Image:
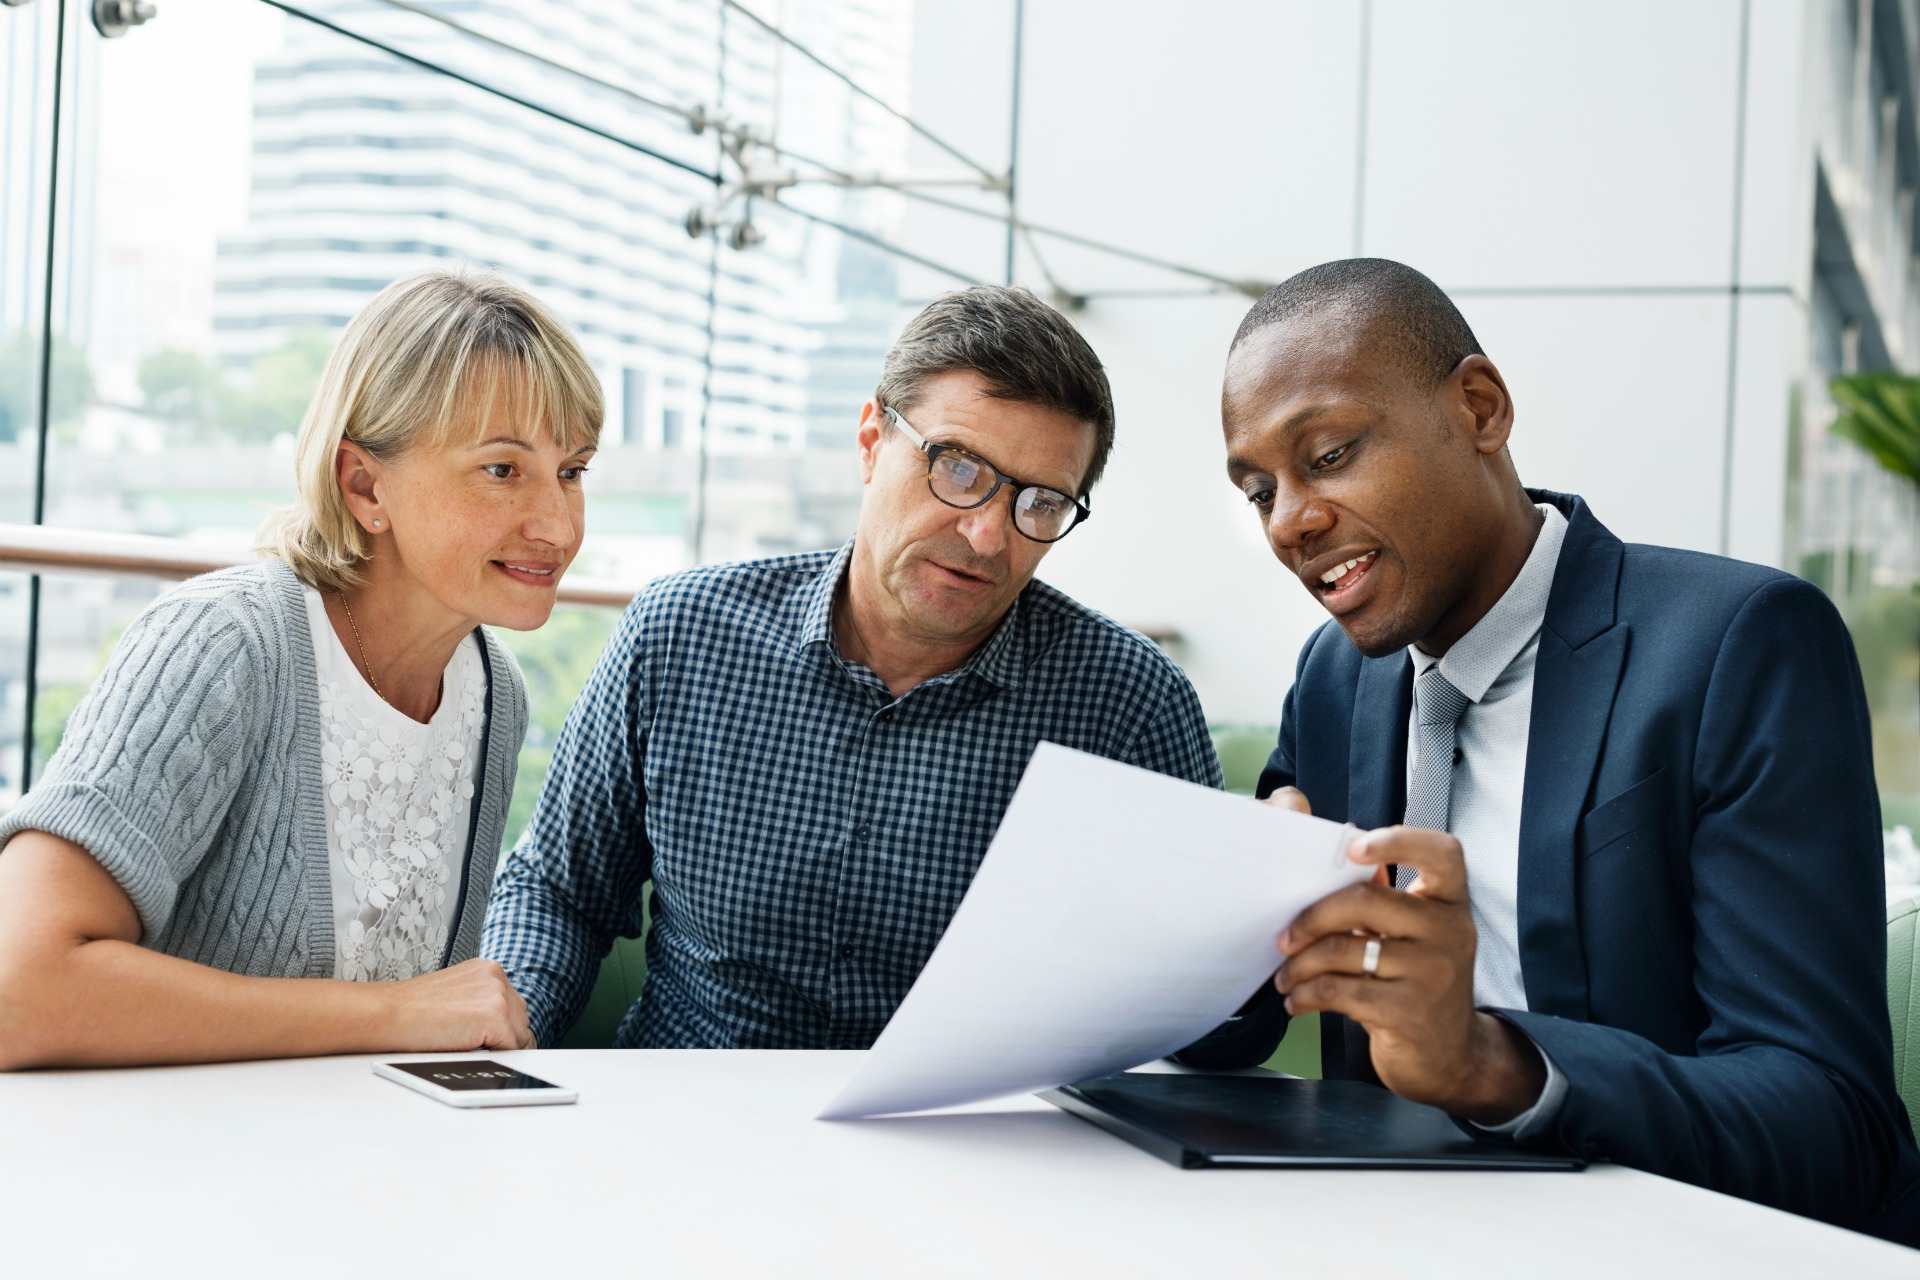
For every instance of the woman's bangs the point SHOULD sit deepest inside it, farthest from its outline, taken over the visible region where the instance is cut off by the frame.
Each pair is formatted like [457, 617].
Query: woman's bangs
[498, 393]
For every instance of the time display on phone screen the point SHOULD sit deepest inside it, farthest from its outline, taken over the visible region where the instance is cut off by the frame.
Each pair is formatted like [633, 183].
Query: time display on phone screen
[471, 1077]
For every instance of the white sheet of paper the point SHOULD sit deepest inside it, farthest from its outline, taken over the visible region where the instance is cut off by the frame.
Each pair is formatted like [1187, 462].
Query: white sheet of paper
[1119, 915]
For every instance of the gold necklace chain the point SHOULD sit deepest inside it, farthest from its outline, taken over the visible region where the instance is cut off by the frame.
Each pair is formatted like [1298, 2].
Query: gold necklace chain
[361, 647]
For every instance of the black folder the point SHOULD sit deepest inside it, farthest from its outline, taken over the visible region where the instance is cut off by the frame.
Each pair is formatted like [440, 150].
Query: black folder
[1267, 1122]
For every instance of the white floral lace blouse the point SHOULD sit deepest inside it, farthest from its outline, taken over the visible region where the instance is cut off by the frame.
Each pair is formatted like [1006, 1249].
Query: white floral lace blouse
[399, 798]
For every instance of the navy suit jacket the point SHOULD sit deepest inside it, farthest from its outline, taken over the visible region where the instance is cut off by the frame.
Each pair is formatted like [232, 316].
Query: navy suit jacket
[1701, 894]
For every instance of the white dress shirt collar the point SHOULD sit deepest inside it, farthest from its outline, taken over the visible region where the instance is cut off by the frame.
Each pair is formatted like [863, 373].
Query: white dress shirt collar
[1479, 657]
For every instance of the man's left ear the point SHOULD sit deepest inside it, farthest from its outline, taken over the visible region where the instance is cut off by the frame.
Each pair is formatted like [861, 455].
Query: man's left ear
[873, 422]
[1483, 395]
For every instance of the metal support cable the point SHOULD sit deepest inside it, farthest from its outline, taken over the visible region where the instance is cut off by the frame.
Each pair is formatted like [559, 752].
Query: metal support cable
[699, 118]
[1360, 127]
[1013, 148]
[1252, 288]
[1062, 296]
[858, 88]
[1733, 285]
[715, 178]
[741, 138]
[1136, 295]
[685, 114]
[44, 423]
[696, 117]
[867, 237]
[713, 311]
[779, 71]
[426, 64]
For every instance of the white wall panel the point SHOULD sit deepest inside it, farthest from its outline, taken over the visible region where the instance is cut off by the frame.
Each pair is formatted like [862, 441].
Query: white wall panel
[1171, 541]
[1518, 143]
[1510, 145]
[1773, 339]
[1776, 211]
[1621, 400]
[962, 78]
[1216, 134]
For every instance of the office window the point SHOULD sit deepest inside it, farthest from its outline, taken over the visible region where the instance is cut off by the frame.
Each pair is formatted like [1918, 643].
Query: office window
[633, 406]
[237, 182]
[39, 366]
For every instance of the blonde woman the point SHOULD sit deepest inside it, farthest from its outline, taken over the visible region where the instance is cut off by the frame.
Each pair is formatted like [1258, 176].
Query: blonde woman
[271, 827]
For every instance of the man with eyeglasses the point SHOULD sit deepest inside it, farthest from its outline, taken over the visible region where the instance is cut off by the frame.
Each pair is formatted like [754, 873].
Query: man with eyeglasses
[807, 756]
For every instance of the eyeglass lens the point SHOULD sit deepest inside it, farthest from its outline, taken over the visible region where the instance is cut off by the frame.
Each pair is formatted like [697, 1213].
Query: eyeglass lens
[959, 479]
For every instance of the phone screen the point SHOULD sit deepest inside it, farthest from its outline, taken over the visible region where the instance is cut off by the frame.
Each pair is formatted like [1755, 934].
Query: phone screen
[466, 1075]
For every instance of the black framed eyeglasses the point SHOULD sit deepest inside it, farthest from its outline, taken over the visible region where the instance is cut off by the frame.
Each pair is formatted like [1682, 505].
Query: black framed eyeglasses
[967, 480]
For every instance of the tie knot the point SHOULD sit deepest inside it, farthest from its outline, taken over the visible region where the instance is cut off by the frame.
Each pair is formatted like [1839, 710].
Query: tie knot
[1440, 702]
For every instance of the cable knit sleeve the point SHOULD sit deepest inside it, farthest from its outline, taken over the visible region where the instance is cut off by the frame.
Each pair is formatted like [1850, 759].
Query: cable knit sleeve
[153, 755]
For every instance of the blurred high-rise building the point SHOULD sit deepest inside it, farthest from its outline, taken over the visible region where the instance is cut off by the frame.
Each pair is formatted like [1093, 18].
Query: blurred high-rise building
[365, 167]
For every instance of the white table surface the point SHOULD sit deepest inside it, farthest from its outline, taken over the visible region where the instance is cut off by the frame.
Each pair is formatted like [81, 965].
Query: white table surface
[709, 1163]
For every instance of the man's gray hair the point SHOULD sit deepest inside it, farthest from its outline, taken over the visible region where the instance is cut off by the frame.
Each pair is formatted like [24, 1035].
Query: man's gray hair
[1026, 351]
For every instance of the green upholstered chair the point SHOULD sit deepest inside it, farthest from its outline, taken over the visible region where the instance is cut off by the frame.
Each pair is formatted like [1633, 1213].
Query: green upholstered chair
[622, 974]
[624, 971]
[1243, 752]
[1903, 999]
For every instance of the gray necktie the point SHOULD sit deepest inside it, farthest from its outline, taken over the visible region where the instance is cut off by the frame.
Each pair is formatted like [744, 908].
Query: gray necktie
[1430, 795]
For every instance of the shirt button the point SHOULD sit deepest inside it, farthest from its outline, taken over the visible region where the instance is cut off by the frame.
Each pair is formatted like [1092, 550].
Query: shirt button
[862, 831]
[846, 952]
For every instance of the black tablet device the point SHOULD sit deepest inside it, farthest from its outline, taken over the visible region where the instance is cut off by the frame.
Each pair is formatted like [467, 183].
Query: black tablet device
[1270, 1122]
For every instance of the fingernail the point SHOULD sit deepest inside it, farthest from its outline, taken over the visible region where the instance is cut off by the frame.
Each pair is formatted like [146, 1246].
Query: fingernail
[1286, 939]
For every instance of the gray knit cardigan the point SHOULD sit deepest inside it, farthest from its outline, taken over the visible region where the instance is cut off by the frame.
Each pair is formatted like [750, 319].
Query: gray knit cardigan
[192, 772]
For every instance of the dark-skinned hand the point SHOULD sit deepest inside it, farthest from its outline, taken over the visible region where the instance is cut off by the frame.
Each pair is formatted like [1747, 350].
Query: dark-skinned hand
[1429, 1043]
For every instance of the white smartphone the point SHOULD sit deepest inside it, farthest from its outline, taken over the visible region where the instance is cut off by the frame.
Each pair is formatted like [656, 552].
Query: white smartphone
[474, 1082]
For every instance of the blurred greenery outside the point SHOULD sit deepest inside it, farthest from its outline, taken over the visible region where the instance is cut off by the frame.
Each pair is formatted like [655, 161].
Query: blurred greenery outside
[199, 401]
[1885, 623]
[193, 396]
[1879, 411]
[70, 384]
[555, 660]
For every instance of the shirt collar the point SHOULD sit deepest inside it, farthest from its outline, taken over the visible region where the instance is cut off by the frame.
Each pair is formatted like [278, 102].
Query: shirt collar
[816, 619]
[998, 660]
[1476, 659]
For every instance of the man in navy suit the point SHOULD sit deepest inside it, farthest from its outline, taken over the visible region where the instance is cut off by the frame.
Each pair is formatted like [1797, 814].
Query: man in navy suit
[1630, 902]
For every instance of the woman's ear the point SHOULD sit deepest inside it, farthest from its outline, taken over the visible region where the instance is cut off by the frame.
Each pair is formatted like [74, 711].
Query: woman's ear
[359, 475]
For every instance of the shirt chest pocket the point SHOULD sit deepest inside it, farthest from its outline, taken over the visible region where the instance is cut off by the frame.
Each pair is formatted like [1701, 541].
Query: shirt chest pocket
[1627, 820]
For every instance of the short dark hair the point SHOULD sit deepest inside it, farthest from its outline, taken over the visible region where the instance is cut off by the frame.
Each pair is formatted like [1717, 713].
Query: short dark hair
[1026, 351]
[1378, 299]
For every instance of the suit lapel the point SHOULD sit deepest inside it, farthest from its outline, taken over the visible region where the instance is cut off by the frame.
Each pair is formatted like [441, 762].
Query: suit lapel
[1376, 797]
[1583, 650]
[1377, 751]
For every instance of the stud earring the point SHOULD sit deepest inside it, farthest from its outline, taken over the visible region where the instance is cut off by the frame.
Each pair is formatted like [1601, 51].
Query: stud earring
[376, 524]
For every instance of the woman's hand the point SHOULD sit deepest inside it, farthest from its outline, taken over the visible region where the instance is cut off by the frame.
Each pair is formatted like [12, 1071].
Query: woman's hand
[76, 989]
[469, 1006]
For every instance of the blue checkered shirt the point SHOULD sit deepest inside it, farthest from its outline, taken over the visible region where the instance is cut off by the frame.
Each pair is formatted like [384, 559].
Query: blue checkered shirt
[808, 834]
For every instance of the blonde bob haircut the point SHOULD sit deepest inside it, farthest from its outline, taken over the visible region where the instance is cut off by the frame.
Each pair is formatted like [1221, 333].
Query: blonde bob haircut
[432, 360]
